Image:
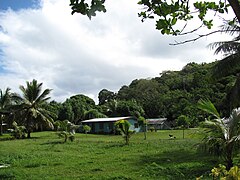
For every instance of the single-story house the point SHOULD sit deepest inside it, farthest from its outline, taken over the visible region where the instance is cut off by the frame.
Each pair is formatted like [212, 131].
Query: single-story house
[106, 125]
[158, 123]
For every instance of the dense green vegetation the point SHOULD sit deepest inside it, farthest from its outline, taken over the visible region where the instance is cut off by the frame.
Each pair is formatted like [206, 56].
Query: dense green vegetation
[176, 93]
[172, 95]
[45, 156]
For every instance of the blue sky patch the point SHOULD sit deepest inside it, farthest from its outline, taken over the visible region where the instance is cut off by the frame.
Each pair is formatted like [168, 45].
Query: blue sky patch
[18, 4]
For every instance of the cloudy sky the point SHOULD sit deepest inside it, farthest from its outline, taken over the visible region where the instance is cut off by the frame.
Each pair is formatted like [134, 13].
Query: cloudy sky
[72, 55]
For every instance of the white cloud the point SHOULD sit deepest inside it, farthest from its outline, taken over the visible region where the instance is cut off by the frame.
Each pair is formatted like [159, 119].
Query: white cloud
[72, 55]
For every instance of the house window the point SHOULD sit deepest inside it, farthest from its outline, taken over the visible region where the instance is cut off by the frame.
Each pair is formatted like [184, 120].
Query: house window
[101, 126]
[135, 125]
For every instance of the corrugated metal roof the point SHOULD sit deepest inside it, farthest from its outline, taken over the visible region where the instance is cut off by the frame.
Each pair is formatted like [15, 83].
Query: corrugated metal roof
[112, 119]
[156, 121]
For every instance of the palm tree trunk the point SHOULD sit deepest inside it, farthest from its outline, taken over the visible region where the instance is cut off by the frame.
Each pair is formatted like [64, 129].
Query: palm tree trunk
[28, 134]
[229, 164]
[28, 130]
[229, 160]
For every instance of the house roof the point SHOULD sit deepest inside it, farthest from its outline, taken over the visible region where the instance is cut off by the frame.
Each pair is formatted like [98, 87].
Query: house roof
[112, 119]
[156, 121]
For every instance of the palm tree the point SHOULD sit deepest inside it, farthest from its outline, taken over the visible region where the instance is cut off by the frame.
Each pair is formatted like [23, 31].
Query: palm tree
[5, 101]
[32, 106]
[222, 135]
[231, 61]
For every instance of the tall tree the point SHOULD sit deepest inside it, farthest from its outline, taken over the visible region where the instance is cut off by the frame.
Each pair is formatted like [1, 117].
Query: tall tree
[5, 101]
[75, 107]
[32, 106]
[105, 96]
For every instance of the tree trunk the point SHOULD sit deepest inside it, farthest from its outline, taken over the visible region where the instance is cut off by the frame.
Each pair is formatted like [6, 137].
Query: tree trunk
[183, 133]
[236, 8]
[145, 132]
[127, 139]
[229, 164]
[28, 134]
[1, 126]
[229, 160]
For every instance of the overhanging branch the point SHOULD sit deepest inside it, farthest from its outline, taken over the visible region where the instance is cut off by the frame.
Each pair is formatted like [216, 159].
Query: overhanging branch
[195, 39]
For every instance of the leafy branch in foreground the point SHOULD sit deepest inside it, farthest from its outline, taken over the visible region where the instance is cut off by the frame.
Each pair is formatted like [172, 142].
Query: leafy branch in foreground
[172, 17]
[88, 9]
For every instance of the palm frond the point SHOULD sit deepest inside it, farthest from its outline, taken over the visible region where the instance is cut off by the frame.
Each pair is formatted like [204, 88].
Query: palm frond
[207, 106]
[42, 97]
[234, 123]
[230, 29]
[226, 47]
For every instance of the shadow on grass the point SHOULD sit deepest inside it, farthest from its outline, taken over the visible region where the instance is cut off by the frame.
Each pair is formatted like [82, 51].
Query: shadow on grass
[53, 143]
[13, 138]
[7, 175]
[114, 145]
[6, 138]
[181, 164]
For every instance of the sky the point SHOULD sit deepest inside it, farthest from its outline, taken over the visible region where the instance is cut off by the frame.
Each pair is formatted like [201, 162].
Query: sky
[40, 39]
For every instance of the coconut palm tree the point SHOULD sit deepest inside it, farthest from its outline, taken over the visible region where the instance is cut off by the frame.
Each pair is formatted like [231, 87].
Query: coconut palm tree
[231, 61]
[5, 101]
[32, 106]
[222, 135]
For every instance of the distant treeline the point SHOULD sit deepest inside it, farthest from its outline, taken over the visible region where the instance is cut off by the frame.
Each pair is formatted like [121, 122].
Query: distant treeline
[172, 94]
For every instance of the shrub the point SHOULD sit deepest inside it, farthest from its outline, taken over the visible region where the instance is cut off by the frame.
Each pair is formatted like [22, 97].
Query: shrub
[18, 132]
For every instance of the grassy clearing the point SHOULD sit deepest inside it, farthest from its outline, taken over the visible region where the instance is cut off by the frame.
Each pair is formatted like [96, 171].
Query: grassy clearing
[45, 156]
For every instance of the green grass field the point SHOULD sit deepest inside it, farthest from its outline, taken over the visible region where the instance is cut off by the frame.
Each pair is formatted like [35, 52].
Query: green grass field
[45, 156]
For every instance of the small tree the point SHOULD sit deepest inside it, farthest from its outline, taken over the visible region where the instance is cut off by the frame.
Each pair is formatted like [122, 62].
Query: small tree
[184, 122]
[18, 132]
[124, 127]
[67, 129]
[86, 129]
[142, 122]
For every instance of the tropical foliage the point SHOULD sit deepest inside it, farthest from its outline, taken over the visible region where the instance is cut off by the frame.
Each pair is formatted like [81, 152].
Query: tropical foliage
[222, 135]
[220, 172]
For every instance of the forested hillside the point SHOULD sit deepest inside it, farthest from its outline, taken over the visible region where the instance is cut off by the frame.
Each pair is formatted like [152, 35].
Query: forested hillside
[172, 94]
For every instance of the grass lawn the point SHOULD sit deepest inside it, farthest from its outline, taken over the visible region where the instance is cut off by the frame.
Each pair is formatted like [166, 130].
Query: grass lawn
[45, 156]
